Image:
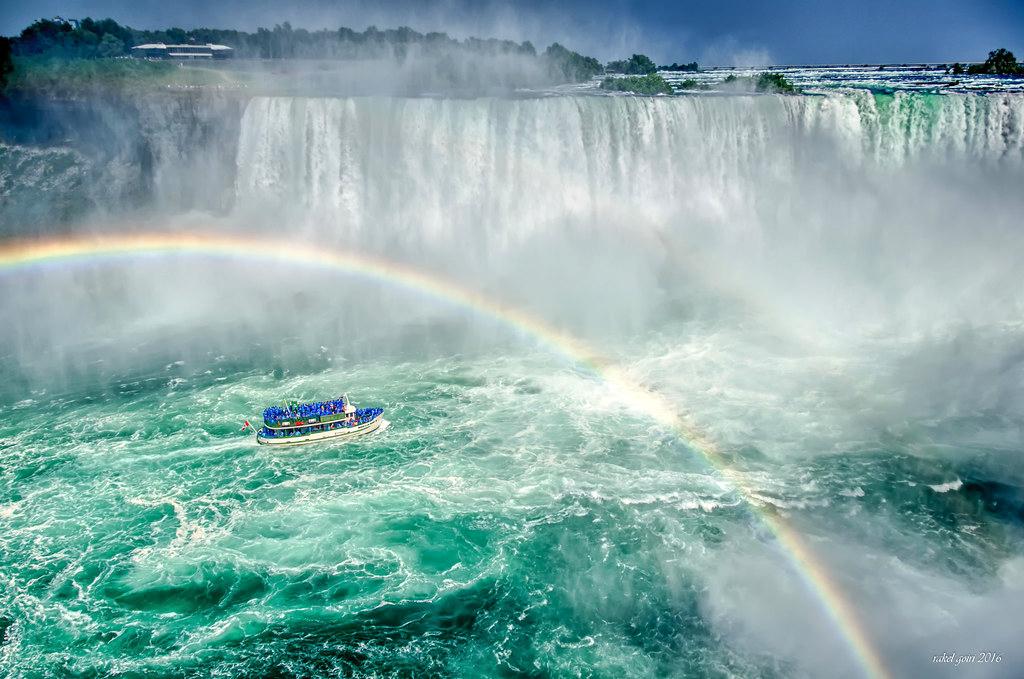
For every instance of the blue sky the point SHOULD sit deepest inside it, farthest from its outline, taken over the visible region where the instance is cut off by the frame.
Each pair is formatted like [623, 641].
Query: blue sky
[713, 32]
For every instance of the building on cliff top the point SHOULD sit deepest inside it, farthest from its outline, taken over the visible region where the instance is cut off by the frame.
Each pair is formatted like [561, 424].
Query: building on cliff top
[159, 50]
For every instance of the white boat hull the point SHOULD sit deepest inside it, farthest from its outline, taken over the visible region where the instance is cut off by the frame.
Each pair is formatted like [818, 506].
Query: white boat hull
[341, 434]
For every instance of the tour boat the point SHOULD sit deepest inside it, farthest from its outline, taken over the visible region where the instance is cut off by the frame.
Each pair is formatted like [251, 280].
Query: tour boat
[295, 424]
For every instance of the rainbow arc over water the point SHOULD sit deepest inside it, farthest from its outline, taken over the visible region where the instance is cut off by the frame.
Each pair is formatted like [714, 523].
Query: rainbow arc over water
[23, 254]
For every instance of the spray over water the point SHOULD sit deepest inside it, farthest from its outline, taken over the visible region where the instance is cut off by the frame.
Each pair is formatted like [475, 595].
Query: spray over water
[826, 285]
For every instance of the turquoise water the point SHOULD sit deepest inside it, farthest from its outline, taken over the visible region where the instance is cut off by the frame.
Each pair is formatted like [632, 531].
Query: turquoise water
[147, 534]
[512, 521]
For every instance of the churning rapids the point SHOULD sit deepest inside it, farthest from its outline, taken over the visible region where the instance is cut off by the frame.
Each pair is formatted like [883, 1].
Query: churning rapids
[828, 287]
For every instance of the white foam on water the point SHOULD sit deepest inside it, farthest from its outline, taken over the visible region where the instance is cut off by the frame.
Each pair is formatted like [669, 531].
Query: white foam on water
[955, 484]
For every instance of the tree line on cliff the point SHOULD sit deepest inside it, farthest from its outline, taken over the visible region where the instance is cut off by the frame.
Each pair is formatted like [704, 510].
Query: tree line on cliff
[65, 39]
[99, 38]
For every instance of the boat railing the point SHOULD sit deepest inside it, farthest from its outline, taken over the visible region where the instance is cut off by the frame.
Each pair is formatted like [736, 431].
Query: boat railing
[304, 411]
[362, 416]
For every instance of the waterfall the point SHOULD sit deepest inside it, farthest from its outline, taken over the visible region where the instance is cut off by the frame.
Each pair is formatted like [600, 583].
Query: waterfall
[870, 196]
[510, 166]
[849, 215]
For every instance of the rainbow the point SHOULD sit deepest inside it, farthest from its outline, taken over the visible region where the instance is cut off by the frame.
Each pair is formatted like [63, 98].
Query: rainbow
[15, 255]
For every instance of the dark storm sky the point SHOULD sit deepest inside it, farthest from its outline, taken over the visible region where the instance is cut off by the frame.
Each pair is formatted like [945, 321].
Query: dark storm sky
[713, 32]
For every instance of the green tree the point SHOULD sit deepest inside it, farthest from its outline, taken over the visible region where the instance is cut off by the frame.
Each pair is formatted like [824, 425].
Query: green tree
[110, 46]
[59, 38]
[774, 82]
[691, 67]
[763, 82]
[652, 83]
[564, 64]
[42, 36]
[999, 62]
[638, 64]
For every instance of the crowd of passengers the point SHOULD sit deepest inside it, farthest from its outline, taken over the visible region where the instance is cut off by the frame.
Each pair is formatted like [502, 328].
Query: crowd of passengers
[362, 416]
[291, 412]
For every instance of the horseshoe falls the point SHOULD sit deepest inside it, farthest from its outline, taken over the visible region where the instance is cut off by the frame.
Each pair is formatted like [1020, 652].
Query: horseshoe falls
[726, 386]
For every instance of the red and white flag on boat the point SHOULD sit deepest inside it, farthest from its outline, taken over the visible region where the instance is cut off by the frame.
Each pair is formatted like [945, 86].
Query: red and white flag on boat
[247, 426]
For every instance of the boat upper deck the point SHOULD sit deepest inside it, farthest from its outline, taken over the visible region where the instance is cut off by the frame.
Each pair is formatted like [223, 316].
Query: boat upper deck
[301, 415]
[297, 414]
[317, 424]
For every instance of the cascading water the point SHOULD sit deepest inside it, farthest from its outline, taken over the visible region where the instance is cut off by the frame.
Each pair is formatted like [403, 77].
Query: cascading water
[826, 285]
[461, 168]
[795, 201]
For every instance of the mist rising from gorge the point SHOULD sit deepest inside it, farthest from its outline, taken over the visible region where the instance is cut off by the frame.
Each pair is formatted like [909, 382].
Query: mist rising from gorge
[876, 233]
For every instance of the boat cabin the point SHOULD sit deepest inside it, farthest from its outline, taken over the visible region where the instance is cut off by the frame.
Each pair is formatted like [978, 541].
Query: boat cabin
[303, 419]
